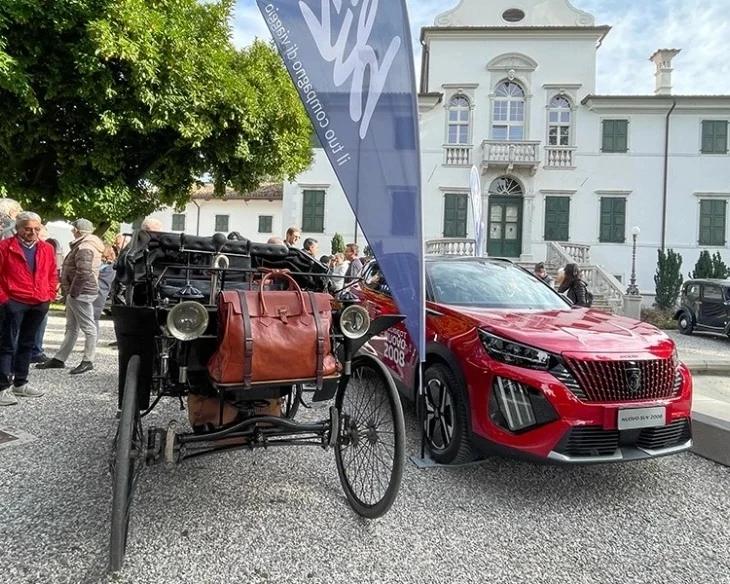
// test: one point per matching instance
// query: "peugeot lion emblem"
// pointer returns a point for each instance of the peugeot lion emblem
(633, 378)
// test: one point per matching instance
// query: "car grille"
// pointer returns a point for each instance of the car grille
(609, 381)
(567, 379)
(595, 441)
(678, 432)
(590, 441)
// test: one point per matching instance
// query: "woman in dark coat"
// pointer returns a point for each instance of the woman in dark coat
(574, 287)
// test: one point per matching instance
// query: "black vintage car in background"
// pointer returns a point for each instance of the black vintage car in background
(704, 306)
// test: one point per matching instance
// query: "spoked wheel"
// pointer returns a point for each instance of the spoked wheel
(126, 459)
(291, 403)
(370, 450)
(447, 433)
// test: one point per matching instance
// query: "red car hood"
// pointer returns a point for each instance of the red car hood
(572, 331)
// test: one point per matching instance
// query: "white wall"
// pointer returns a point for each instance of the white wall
(243, 217)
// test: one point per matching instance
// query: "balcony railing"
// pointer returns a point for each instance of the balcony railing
(509, 154)
(457, 155)
(559, 156)
(454, 246)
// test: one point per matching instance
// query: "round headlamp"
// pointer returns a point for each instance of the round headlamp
(354, 321)
(187, 320)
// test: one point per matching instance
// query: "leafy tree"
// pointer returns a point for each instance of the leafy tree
(338, 244)
(110, 109)
(703, 267)
(668, 279)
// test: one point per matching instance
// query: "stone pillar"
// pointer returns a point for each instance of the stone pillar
(663, 61)
(528, 213)
(632, 306)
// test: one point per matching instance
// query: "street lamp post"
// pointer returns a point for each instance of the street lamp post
(633, 289)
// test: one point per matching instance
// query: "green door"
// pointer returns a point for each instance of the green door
(504, 232)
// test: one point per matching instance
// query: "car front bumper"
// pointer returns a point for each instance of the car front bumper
(584, 432)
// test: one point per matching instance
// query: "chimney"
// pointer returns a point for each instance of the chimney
(663, 61)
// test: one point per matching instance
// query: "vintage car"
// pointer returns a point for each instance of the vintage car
(203, 320)
(512, 367)
(704, 307)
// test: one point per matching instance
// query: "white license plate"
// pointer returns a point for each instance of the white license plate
(641, 418)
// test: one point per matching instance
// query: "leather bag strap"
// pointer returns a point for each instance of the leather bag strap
(320, 340)
(248, 340)
(293, 287)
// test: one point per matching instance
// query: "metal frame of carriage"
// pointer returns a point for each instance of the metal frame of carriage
(364, 427)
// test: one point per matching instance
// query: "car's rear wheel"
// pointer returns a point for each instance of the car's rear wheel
(685, 323)
(446, 422)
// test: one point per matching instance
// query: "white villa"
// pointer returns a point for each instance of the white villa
(509, 86)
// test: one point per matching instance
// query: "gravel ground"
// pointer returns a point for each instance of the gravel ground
(281, 516)
(704, 346)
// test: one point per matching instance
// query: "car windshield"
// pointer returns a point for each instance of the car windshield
(487, 284)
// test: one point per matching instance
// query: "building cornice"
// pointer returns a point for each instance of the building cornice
(656, 102)
(428, 101)
(515, 32)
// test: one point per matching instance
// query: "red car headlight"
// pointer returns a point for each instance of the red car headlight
(514, 353)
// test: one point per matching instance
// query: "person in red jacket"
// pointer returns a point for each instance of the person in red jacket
(28, 281)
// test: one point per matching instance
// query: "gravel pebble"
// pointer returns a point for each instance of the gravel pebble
(280, 516)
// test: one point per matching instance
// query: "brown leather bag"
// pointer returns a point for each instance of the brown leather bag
(267, 336)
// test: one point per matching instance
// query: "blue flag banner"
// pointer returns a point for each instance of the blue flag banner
(352, 63)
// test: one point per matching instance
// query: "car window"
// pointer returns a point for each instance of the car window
(727, 293)
(712, 293)
(693, 291)
(374, 279)
(486, 284)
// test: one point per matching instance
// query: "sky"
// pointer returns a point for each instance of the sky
(701, 28)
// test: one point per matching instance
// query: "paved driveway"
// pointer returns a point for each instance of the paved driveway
(702, 346)
(280, 516)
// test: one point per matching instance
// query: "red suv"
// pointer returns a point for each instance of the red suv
(512, 367)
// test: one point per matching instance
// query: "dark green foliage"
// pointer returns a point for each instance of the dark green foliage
(710, 267)
(719, 269)
(110, 109)
(703, 267)
(668, 279)
(338, 244)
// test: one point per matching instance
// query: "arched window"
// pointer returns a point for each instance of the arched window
(559, 121)
(508, 118)
(459, 114)
(505, 186)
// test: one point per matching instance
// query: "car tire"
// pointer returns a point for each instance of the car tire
(685, 324)
(446, 417)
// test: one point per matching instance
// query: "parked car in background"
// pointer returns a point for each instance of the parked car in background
(704, 306)
(511, 367)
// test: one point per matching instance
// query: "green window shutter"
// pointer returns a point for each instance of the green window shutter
(613, 220)
(721, 137)
(557, 218)
(313, 212)
(621, 136)
(712, 222)
(714, 137)
(455, 214)
(607, 145)
(265, 223)
(615, 136)
(221, 223)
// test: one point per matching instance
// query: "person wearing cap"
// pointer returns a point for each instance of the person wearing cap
(28, 281)
(541, 273)
(80, 285)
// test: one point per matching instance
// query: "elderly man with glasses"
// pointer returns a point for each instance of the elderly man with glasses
(28, 281)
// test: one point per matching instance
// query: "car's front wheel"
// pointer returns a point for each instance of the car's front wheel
(685, 324)
(446, 422)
